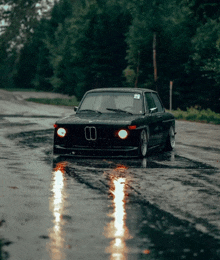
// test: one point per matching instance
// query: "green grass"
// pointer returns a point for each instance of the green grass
(197, 115)
(55, 101)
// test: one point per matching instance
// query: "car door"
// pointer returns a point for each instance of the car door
(154, 120)
(160, 115)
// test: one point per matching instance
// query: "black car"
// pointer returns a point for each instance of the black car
(115, 121)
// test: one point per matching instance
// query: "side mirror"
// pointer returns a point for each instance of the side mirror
(153, 110)
(75, 108)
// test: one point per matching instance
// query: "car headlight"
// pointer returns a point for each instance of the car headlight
(61, 132)
(123, 134)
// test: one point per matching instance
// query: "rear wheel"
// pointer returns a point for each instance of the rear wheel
(143, 145)
(170, 142)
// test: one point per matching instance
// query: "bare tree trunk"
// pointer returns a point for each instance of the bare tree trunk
(155, 60)
(138, 65)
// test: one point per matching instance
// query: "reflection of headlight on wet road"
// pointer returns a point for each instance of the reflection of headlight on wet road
(57, 207)
(117, 229)
(57, 189)
(119, 206)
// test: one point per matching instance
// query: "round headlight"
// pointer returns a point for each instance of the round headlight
(61, 132)
(123, 134)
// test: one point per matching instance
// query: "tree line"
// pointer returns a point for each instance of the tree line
(82, 44)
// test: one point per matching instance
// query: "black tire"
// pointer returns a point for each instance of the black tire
(170, 142)
(143, 144)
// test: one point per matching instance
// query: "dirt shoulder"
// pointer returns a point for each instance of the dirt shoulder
(13, 103)
(21, 95)
(25, 95)
(6, 95)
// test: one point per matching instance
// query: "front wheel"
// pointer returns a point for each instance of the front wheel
(170, 142)
(143, 145)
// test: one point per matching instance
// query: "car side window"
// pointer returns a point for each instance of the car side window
(150, 101)
(157, 102)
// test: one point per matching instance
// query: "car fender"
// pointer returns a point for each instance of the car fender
(146, 128)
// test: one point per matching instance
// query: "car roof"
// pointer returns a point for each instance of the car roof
(139, 90)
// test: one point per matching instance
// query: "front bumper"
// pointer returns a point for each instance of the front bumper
(94, 151)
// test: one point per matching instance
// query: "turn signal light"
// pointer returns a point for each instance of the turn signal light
(132, 127)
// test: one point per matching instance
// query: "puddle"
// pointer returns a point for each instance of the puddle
(136, 229)
(33, 139)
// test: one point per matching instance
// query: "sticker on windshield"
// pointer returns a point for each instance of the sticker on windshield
(137, 96)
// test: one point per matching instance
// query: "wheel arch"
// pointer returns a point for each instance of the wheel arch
(146, 128)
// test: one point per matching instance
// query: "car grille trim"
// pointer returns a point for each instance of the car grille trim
(90, 133)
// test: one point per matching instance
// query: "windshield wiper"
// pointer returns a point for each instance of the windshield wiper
(90, 110)
(118, 110)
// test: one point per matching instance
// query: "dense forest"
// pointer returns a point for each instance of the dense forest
(71, 46)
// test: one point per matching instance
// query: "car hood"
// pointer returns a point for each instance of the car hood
(95, 118)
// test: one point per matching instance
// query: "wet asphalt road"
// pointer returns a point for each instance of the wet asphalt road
(163, 207)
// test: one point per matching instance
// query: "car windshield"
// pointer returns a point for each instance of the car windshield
(113, 102)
